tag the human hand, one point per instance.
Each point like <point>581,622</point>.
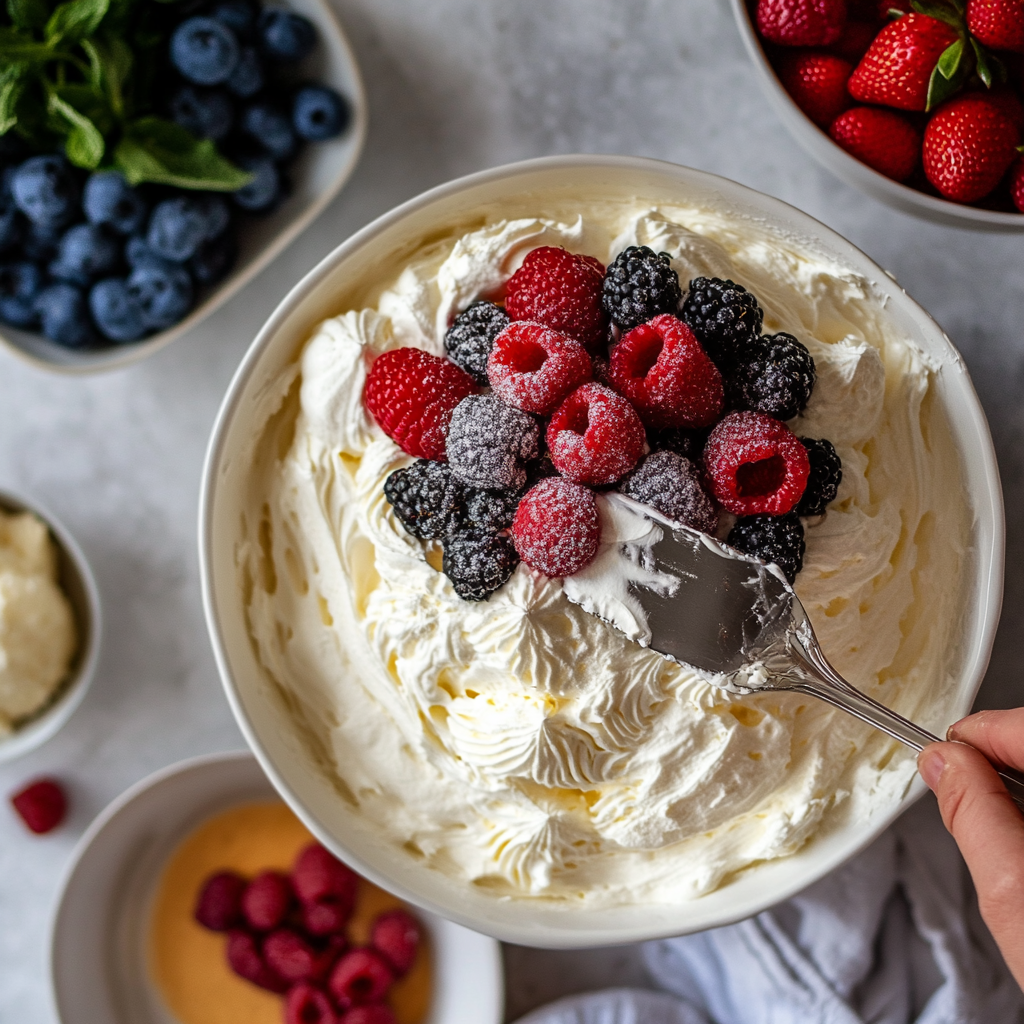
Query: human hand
<point>984,821</point>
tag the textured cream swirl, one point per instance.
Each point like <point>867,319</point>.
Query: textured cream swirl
<point>525,746</point>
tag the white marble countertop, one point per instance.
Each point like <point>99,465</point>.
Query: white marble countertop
<point>454,86</point>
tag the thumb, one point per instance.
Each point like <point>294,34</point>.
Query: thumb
<point>989,830</point>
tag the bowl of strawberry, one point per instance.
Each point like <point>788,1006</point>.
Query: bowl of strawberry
<point>916,102</point>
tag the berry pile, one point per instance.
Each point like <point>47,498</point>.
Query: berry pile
<point>687,417</point>
<point>287,934</point>
<point>929,96</point>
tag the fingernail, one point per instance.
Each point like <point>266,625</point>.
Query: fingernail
<point>930,764</point>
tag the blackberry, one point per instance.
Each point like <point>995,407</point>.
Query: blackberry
<point>778,539</point>
<point>682,440</point>
<point>490,511</point>
<point>670,483</point>
<point>478,563</point>
<point>639,284</point>
<point>426,498</point>
<point>825,477</point>
<point>778,380</point>
<point>724,316</point>
<point>471,336</point>
<point>489,442</point>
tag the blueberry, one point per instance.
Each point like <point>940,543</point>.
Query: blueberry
<point>206,113</point>
<point>271,128</point>
<point>319,113</point>
<point>20,283</point>
<point>238,15</point>
<point>286,36</point>
<point>10,222</point>
<point>117,312</point>
<point>164,294</point>
<point>204,50</point>
<point>247,79</point>
<point>45,190</point>
<point>263,191</point>
<point>40,241</point>
<point>177,227</point>
<point>86,251</point>
<point>212,262</point>
<point>109,199</point>
<point>65,316</point>
<point>137,253</point>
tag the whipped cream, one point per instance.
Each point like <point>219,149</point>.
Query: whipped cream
<point>529,748</point>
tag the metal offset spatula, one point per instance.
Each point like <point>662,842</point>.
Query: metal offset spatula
<point>730,617</point>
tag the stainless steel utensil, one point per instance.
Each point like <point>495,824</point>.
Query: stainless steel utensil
<point>730,617</point>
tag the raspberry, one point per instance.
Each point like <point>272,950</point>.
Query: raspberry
<point>595,436</point>
<point>756,464</point>
<point>396,934</point>
<point>676,439</point>
<point>266,901</point>
<point>219,906</point>
<point>245,960</point>
<point>325,916</point>
<point>776,540</point>
<point>640,284</point>
<point>661,368</point>
<point>477,563</point>
<point>379,1013</point>
<point>361,976</point>
<point>560,290</point>
<point>533,367</point>
<point>557,529</point>
<point>671,484</point>
<point>490,511</point>
<point>489,441</point>
<point>42,805</point>
<point>824,478</point>
<point>426,498</point>
<point>778,380</point>
<point>471,336</point>
<point>318,874</point>
<point>307,1004</point>
<point>816,82</point>
<point>289,955</point>
<point>412,395</point>
<point>724,316</point>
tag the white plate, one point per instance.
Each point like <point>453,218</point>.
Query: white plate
<point>317,176</point>
<point>98,937</point>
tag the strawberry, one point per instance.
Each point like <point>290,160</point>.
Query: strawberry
<point>998,24</point>
<point>882,139</point>
<point>1006,100</point>
<point>968,146</point>
<point>855,40</point>
<point>1017,183</point>
<point>896,70</point>
<point>801,22</point>
<point>817,84</point>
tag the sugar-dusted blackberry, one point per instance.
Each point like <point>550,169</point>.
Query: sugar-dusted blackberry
<point>671,483</point>
<point>778,539</point>
<point>639,284</point>
<point>725,317</point>
<point>490,511</point>
<point>682,440</point>
<point>478,563</point>
<point>471,336</point>
<point>490,442</point>
<point>824,479</point>
<point>778,380</point>
<point>426,498</point>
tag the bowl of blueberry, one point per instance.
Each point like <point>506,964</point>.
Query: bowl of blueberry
<point>154,157</point>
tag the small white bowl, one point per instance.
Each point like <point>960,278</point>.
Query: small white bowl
<point>98,933</point>
<point>852,171</point>
<point>317,176</point>
<point>76,580</point>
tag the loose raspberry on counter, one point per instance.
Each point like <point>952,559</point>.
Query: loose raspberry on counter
<point>427,499</point>
<point>778,380</point>
<point>291,957</point>
<point>534,367</point>
<point>245,959</point>
<point>756,464</point>
<point>412,395</point>
<point>379,1013</point>
<point>640,284</point>
<point>396,934</point>
<point>266,901</point>
<point>490,442</point>
<point>824,478</point>
<point>325,916</point>
<point>595,436</point>
<point>561,290</point>
<point>884,140</point>
<point>219,905</point>
<point>816,82</point>
<point>361,976</point>
<point>42,805</point>
<point>725,318</point>
<point>777,540</point>
<point>307,1004</point>
<point>671,484</point>
<point>557,528</point>
<point>666,375</point>
<point>470,338</point>
<point>477,563</point>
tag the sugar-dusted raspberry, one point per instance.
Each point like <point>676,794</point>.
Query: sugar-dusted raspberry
<point>379,1013</point>
<point>661,368</point>
<point>557,528</point>
<point>724,316</point>
<point>219,904</point>
<point>266,901</point>
<point>478,563</point>
<point>426,498</point>
<point>671,484</point>
<point>777,380</point>
<point>490,442</point>
<point>824,478</point>
<point>491,511</point>
<point>412,395</point>
<point>561,290</point>
<point>308,1004</point>
<point>640,284</point>
<point>756,464</point>
<point>777,540</point>
<point>396,934</point>
<point>533,367</point>
<point>42,805</point>
<point>470,338</point>
<point>244,958</point>
<point>595,436</point>
<point>318,874</point>
<point>361,976</point>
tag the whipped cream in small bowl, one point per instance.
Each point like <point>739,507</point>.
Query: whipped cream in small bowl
<point>514,764</point>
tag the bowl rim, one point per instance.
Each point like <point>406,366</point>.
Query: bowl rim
<point>855,173</point>
<point>990,561</point>
<point>71,692</point>
<point>125,355</point>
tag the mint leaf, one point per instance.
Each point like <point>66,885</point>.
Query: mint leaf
<point>84,144</point>
<point>163,152</point>
<point>10,92</point>
<point>75,19</point>
<point>17,47</point>
<point>28,13</point>
<point>949,61</point>
<point>110,64</point>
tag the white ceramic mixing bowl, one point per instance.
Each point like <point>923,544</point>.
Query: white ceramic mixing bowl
<point>378,251</point>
